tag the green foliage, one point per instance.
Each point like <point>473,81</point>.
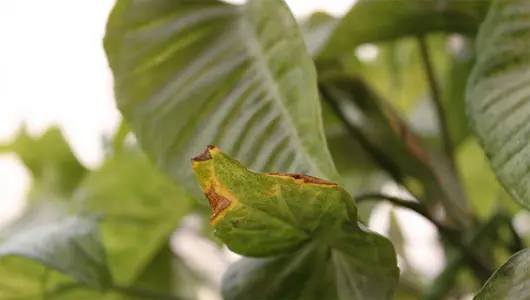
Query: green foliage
<point>498,92</point>
<point>296,97</point>
<point>510,281</point>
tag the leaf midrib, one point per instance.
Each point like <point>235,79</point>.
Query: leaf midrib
<point>259,59</point>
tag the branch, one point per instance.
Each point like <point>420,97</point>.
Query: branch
<point>435,96</point>
<point>379,158</point>
<point>396,201</point>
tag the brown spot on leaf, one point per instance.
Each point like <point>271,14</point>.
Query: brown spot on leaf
<point>305,178</point>
<point>205,155</point>
<point>218,203</point>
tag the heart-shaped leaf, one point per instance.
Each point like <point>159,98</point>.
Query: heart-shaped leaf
<point>190,73</point>
<point>301,230</point>
<point>499,94</point>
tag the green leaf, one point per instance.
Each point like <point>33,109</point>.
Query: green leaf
<point>191,73</point>
<point>303,229</point>
<point>140,208</point>
<point>510,282</point>
<point>50,160</point>
<point>499,93</point>
<point>71,247</point>
<point>370,21</point>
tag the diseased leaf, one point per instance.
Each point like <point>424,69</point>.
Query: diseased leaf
<point>370,21</point>
<point>301,230</point>
<point>140,207</point>
<point>190,73</point>
<point>70,247</point>
<point>499,94</point>
<point>510,282</point>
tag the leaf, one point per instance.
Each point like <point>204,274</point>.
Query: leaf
<point>510,282</point>
<point>50,160</point>
<point>301,231</point>
<point>140,208</point>
<point>71,247</point>
<point>370,21</point>
<point>190,73</point>
<point>498,94</point>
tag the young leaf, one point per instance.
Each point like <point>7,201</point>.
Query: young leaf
<point>140,208</point>
<point>510,282</point>
<point>71,247</point>
<point>371,21</point>
<point>499,94</point>
<point>303,228</point>
<point>189,73</point>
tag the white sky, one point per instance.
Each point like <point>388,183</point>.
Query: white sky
<point>53,70</point>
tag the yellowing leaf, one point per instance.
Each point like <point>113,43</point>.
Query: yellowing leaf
<point>292,222</point>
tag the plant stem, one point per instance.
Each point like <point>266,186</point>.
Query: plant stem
<point>436,98</point>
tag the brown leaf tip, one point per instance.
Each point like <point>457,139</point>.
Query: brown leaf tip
<point>205,155</point>
<point>218,203</point>
<point>306,178</point>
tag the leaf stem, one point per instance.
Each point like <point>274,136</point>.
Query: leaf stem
<point>120,136</point>
<point>436,98</point>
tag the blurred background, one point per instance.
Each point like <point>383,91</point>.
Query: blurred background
<point>53,71</point>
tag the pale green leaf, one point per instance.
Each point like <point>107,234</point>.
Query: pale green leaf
<point>191,73</point>
<point>140,207</point>
<point>499,94</point>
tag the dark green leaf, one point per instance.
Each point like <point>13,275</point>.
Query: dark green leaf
<point>371,21</point>
<point>303,228</point>
<point>499,94</point>
<point>191,73</point>
<point>511,281</point>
